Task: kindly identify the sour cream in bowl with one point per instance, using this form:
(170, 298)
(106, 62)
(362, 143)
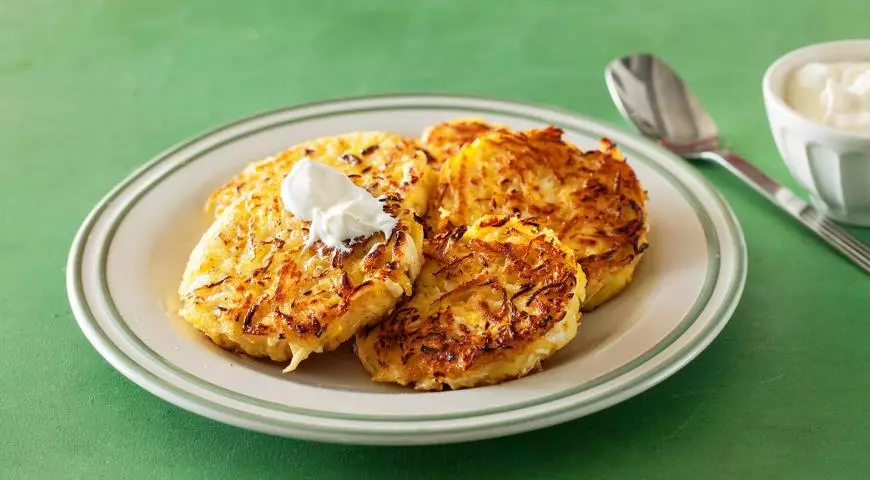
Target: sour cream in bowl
(836, 94)
(818, 104)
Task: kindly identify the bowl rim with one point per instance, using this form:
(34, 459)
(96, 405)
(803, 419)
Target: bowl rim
(786, 61)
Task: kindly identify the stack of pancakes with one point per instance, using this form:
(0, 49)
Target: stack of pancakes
(503, 238)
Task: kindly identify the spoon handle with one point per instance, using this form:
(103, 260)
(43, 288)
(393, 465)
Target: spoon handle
(805, 213)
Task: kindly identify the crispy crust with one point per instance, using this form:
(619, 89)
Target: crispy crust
(491, 303)
(592, 200)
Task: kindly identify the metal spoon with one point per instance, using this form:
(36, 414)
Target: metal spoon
(652, 97)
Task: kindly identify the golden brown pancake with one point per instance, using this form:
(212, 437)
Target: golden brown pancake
(491, 303)
(592, 200)
(251, 284)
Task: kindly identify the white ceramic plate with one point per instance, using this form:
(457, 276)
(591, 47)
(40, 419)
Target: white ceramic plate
(128, 257)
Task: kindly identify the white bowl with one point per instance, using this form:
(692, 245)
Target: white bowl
(832, 164)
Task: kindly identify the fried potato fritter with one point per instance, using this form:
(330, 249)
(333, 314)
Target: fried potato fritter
(491, 303)
(592, 200)
(252, 286)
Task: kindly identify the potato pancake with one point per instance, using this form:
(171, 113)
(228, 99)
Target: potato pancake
(252, 286)
(491, 303)
(592, 200)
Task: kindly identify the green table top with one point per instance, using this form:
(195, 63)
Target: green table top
(91, 89)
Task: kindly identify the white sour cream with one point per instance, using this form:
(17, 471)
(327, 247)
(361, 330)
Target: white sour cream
(338, 209)
(834, 94)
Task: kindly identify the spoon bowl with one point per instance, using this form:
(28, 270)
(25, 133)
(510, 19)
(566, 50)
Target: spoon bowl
(653, 98)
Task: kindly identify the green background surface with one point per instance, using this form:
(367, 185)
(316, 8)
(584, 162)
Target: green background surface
(91, 89)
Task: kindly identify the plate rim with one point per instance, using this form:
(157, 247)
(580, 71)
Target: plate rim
(127, 366)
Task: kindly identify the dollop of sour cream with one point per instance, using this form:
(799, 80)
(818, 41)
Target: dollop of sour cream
(338, 209)
(834, 94)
